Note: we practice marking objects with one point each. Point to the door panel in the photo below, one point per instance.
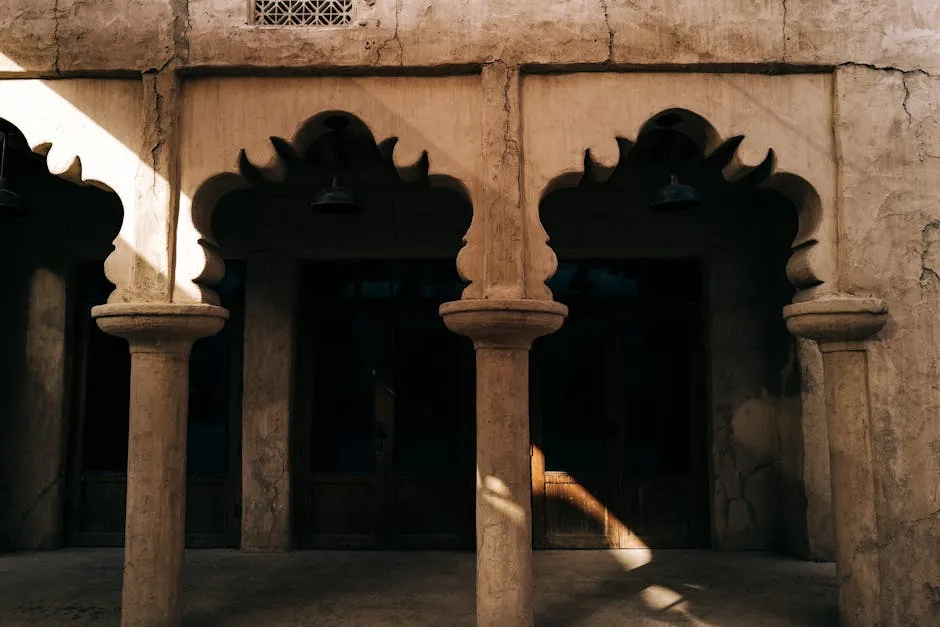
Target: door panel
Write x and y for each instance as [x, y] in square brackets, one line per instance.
[617, 421]
[430, 475]
[573, 436]
[385, 410]
[343, 493]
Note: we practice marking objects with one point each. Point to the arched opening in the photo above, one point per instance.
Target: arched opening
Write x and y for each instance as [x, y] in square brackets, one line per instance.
[346, 258]
[664, 411]
[66, 421]
[63, 383]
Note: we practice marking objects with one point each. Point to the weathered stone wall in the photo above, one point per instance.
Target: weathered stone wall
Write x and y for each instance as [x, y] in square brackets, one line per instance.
[886, 121]
[65, 225]
[60, 36]
[888, 131]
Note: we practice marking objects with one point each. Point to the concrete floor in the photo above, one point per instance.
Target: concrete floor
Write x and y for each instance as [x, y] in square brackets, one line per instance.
[81, 587]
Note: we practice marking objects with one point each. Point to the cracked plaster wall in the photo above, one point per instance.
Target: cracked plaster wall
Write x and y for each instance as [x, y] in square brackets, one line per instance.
[755, 402]
[64, 36]
[890, 190]
[887, 126]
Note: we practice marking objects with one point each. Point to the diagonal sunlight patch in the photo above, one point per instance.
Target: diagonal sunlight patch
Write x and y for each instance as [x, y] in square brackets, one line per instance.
[668, 601]
[64, 120]
[492, 490]
[656, 597]
[9, 65]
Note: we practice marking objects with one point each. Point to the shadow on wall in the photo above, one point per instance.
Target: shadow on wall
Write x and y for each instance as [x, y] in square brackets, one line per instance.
[63, 226]
[740, 234]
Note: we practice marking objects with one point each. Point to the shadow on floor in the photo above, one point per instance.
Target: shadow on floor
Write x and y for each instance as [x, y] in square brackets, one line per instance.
[81, 588]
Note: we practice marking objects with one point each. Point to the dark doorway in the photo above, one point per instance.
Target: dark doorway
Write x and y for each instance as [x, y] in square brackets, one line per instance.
[384, 415]
[618, 409]
[98, 460]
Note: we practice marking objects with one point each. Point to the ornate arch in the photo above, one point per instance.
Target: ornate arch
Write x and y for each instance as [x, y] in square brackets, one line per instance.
[284, 171]
[90, 133]
[714, 164]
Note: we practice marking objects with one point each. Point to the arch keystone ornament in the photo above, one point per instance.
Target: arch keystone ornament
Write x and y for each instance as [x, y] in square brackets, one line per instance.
[502, 333]
[161, 338]
[840, 324]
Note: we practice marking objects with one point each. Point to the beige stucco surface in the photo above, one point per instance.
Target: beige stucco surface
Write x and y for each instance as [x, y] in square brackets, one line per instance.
[889, 211]
[65, 35]
[850, 105]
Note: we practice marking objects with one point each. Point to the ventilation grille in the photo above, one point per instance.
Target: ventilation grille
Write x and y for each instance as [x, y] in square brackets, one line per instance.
[302, 12]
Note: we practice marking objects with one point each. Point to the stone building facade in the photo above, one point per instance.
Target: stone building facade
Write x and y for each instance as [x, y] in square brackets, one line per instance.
[159, 142]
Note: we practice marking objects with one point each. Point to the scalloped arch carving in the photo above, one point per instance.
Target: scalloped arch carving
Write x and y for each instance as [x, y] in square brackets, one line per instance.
[284, 169]
[716, 166]
[89, 133]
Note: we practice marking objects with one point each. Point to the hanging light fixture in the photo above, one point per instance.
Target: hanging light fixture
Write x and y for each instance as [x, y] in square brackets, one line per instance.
[9, 200]
[335, 199]
[675, 196]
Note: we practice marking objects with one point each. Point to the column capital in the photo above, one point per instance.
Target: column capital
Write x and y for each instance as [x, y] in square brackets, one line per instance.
[836, 319]
[503, 323]
[160, 327]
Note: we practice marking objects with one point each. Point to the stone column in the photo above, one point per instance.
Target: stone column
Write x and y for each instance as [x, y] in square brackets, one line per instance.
[840, 324]
[160, 338]
[502, 333]
[266, 403]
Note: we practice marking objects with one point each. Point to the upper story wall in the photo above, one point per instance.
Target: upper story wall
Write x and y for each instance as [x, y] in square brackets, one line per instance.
[49, 37]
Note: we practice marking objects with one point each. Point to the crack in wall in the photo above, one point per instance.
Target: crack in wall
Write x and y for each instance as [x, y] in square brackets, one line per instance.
[610, 32]
[930, 239]
[265, 520]
[510, 143]
[885, 68]
[784, 32]
[394, 37]
[32, 506]
[55, 36]
[907, 97]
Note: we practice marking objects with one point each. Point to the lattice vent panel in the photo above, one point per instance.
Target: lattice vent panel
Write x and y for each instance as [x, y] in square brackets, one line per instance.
[302, 12]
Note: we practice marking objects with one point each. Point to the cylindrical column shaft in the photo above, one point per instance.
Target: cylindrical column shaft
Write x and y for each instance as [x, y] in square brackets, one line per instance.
[504, 489]
[853, 489]
[160, 336]
[156, 486]
[502, 332]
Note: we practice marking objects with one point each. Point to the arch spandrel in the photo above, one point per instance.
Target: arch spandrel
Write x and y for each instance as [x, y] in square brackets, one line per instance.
[226, 122]
[90, 132]
[567, 115]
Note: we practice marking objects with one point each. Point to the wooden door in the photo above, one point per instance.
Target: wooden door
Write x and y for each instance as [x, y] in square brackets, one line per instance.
[618, 424]
[98, 448]
[431, 461]
[383, 417]
[573, 462]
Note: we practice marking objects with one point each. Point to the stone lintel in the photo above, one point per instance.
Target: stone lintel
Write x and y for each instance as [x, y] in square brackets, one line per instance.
[503, 323]
[837, 322]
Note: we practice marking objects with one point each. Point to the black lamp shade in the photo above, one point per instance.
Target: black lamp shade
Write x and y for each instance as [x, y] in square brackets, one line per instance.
[336, 200]
[675, 197]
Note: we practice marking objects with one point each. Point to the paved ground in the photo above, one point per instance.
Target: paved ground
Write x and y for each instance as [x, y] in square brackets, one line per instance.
[81, 587]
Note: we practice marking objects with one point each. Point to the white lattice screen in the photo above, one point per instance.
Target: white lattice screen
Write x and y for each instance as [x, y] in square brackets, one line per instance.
[302, 12]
